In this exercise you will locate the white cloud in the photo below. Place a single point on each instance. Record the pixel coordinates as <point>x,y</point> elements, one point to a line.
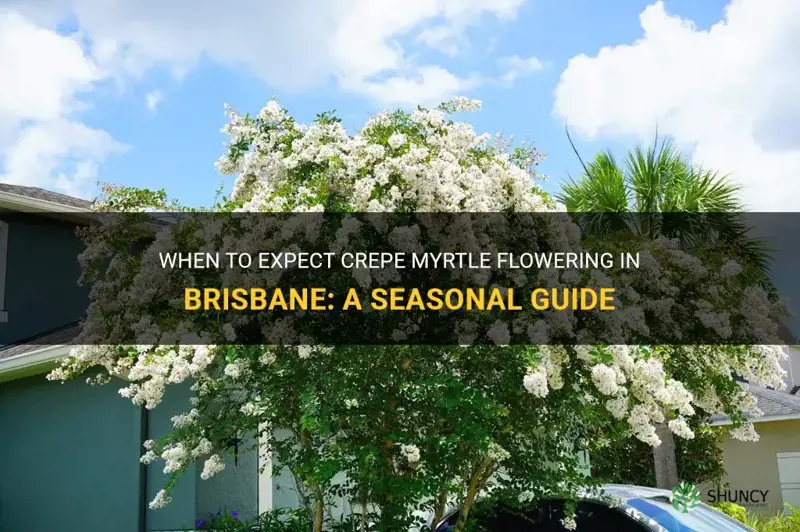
<point>43,75</point>
<point>365,47</point>
<point>516,66</point>
<point>729,93</point>
<point>442,38</point>
<point>60,154</point>
<point>418,87</point>
<point>292,45</point>
<point>152,99</point>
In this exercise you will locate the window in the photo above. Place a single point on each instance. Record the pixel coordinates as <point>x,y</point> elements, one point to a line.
<point>3,260</point>
<point>500,519</point>
<point>590,517</point>
<point>594,517</point>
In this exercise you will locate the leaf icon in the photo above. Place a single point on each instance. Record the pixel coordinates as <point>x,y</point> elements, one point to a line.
<point>685,497</point>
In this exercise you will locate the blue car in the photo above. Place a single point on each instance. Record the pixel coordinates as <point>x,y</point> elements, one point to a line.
<point>637,509</point>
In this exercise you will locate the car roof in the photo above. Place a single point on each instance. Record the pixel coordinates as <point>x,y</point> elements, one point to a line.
<point>622,491</point>
<point>626,491</point>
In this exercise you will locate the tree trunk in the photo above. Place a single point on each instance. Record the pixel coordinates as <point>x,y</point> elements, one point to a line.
<point>476,484</point>
<point>319,510</point>
<point>319,496</point>
<point>664,458</point>
<point>441,506</point>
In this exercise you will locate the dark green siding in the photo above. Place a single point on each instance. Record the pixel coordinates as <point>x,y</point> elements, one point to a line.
<point>42,273</point>
<point>68,455</point>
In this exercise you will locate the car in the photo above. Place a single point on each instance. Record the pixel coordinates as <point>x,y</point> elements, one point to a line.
<point>637,509</point>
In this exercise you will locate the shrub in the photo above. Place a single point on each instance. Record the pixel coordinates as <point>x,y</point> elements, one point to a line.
<point>734,510</point>
<point>785,522</point>
<point>280,520</point>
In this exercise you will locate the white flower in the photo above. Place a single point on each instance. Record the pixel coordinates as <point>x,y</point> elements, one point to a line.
<point>234,369</point>
<point>148,458</point>
<point>497,453</point>
<point>618,406</point>
<point>184,420</point>
<point>535,382</point>
<point>614,501</point>
<point>411,453</point>
<point>465,104</point>
<point>605,379</point>
<point>161,499</point>
<point>730,269</point>
<point>304,351</point>
<point>569,523</point>
<point>397,140</point>
<point>350,403</point>
<point>499,333</point>
<point>641,425</point>
<point>267,358</point>
<point>252,409</point>
<point>680,428</point>
<point>229,332</point>
<point>746,432</point>
<point>212,466</point>
<point>203,448</point>
<point>174,457</point>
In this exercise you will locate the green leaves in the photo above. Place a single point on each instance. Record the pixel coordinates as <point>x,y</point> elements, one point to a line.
<point>328,117</point>
<point>600,354</point>
<point>309,411</point>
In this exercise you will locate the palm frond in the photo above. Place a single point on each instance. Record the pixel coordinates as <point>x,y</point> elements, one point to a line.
<point>661,186</point>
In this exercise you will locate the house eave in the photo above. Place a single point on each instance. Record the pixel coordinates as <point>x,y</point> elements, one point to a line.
<point>28,204</point>
<point>763,419</point>
<point>32,362</point>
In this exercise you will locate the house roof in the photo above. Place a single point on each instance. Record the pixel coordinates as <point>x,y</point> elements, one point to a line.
<point>775,405</point>
<point>61,336</point>
<point>42,195</point>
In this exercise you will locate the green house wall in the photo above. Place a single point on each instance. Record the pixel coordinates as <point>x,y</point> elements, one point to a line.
<point>69,462</point>
<point>42,272</point>
<point>65,458</point>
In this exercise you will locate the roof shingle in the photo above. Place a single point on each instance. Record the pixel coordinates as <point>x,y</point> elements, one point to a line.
<point>62,336</point>
<point>772,403</point>
<point>45,195</point>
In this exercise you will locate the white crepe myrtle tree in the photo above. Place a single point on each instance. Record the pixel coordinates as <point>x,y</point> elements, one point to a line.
<point>414,428</point>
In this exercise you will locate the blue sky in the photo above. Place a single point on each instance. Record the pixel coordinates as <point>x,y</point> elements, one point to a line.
<point>175,146</point>
<point>131,91</point>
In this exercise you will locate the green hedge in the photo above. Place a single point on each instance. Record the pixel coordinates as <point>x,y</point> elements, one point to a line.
<point>734,510</point>
<point>788,521</point>
<point>785,522</point>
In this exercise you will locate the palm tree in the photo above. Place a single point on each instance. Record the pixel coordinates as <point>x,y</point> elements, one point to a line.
<point>655,181</point>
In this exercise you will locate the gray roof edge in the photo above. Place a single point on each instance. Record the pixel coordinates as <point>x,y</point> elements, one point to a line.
<point>41,194</point>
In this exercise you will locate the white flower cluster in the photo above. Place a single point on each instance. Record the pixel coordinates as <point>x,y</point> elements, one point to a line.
<point>410,453</point>
<point>148,368</point>
<point>536,383</point>
<point>746,432</point>
<point>437,171</point>
<point>569,523</point>
<point>212,466</point>
<point>637,388</point>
